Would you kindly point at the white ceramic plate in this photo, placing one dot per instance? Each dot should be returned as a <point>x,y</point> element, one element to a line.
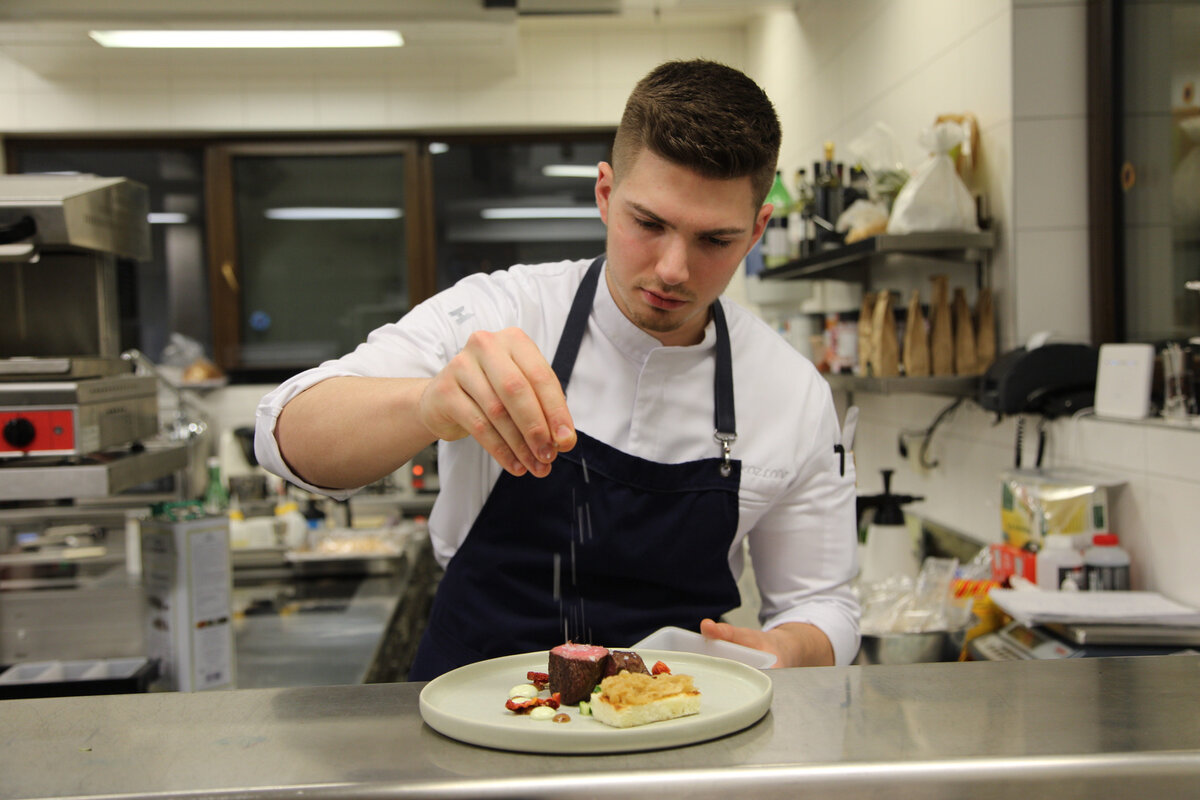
<point>468,704</point>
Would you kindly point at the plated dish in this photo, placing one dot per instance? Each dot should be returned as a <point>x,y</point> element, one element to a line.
<point>467,704</point>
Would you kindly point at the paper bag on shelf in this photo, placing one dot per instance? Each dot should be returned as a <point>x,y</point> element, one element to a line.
<point>941,336</point>
<point>916,339</point>
<point>884,345</point>
<point>985,339</point>
<point>964,335</point>
<point>865,315</point>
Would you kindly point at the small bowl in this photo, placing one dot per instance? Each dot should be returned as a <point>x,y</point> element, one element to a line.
<point>911,648</point>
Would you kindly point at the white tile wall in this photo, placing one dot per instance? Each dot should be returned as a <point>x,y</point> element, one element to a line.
<point>1020,69</point>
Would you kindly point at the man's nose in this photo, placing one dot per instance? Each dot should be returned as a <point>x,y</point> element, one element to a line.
<point>672,263</point>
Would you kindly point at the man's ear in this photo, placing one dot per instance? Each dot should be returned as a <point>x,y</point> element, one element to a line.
<point>760,222</point>
<point>604,187</point>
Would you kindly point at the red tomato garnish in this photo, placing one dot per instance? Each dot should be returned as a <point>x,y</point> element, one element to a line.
<point>659,668</point>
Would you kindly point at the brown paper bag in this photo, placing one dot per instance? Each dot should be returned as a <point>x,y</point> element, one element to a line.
<point>884,344</point>
<point>941,336</point>
<point>866,312</point>
<point>985,340</point>
<point>916,339</point>
<point>964,335</point>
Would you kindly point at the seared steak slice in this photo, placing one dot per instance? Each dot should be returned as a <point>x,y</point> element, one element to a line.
<point>624,660</point>
<point>575,669</point>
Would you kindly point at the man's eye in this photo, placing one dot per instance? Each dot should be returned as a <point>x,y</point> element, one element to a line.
<point>716,242</point>
<point>648,224</point>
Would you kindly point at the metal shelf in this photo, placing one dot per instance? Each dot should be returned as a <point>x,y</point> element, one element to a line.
<point>832,263</point>
<point>93,476</point>
<point>947,386</point>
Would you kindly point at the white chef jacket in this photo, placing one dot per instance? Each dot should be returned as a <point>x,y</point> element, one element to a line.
<point>796,507</point>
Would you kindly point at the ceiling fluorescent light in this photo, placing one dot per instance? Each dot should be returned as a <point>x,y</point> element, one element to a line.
<point>247,38</point>
<point>314,213</point>
<point>540,213</point>
<point>166,218</point>
<point>570,171</point>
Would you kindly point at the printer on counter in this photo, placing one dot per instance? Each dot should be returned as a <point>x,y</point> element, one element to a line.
<point>1053,380</point>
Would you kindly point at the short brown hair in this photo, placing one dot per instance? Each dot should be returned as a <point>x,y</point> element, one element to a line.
<point>704,116</point>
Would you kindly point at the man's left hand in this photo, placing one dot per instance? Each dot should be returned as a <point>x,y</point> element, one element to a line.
<point>794,644</point>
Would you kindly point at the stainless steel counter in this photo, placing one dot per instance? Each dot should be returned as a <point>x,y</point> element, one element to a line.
<point>1110,728</point>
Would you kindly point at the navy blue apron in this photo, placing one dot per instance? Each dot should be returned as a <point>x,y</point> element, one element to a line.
<point>605,550</point>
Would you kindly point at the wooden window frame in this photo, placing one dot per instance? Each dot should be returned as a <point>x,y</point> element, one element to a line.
<point>224,272</point>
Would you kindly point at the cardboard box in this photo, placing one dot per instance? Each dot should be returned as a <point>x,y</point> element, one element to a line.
<point>187,578</point>
<point>1008,561</point>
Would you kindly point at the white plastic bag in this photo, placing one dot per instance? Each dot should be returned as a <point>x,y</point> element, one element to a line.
<point>935,197</point>
<point>876,152</point>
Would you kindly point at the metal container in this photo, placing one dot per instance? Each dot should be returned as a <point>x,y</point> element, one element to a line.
<point>911,648</point>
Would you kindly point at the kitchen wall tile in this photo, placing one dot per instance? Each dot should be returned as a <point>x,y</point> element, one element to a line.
<point>275,104</point>
<point>420,108</point>
<point>1174,452</point>
<point>556,59</point>
<point>132,111</point>
<point>207,109</point>
<point>69,108</point>
<point>1050,158</point>
<point>979,13</point>
<point>493,107</point>
<point>1112,446</point>
<point>565,107</point>
<point>1052,41</point>
<point>723,45</point>
<point>1058,299</point>
<point>935,24</point>
<point>628,58</point>
<point>351,104</point>
<point>1161,537</point>
<point>987,70</point>
<point>10,112</point>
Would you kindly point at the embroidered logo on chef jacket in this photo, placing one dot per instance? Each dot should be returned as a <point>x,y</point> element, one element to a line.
<point>461,315</point>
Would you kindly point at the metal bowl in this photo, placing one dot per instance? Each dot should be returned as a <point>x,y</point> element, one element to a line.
<point>911,648</point>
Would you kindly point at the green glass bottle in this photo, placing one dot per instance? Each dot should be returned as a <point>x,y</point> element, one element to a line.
<point>776,245</point>
<point>216,498</point>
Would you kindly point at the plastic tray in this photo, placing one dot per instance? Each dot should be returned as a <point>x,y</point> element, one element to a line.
<point>64,678</point>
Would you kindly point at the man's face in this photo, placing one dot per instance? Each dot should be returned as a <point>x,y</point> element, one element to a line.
<point>674,241</point>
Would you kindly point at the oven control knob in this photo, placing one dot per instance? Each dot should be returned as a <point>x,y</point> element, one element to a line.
<point>19,432</point>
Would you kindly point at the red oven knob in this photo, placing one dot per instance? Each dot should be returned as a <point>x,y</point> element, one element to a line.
<point>19,432</point>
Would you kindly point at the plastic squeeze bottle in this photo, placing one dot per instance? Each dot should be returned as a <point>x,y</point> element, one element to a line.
<point>1060,565</point>
<point>1106,564</point>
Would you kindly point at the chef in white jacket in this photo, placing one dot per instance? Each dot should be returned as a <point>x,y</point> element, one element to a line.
<point>611,431</point>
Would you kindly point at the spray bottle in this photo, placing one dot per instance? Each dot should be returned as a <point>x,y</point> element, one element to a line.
<point>889,548</point>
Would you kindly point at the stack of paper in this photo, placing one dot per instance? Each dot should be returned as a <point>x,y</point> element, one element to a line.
<point>1034,607</point>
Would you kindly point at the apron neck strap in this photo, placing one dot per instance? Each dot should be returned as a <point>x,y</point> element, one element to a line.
<point>724,417</point>
<point>572,335</point>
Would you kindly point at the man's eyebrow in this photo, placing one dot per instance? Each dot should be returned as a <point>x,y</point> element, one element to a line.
<point>656,218</point>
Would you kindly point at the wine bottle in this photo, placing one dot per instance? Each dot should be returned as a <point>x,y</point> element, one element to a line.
<point>828,200</point>
<point>804,210</point>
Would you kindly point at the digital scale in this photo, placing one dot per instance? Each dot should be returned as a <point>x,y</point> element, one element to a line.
<point>1017,641</point>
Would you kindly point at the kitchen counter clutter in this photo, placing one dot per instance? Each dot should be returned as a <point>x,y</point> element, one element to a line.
<point>1083,727</point>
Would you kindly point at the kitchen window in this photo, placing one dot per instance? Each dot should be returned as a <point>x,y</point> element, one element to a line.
<point>311,246</point>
